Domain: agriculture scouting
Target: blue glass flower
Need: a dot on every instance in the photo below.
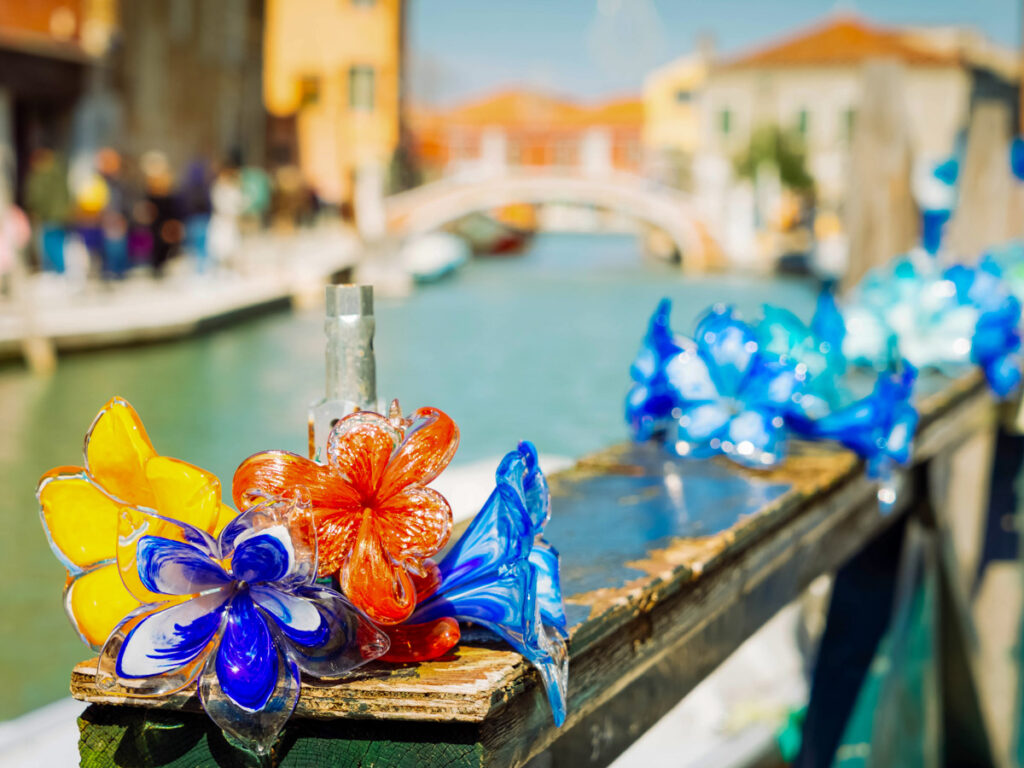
(733, 395)
(818, 346)
(503, 575)
(995, 344)
(652, 398)
(911, 307)
(241, 613)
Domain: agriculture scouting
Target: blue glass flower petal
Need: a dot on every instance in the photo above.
(167, 639)
(729, 346)
(136, 523)
(247, 661)
(689, 376)
(544, 559)
(176, 568)
(1017, 158)
(773, 385)
(700, 423)
(289, 533)
(755, 438)
(254, 729)
(651, 398)
(265, 555)
(535, 486)
(322, 632)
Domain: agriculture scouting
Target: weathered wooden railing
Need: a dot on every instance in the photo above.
(667, 567)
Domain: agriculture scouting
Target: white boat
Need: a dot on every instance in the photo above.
(430, 257)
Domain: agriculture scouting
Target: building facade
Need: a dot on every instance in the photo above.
(334, 69)
(522, 129)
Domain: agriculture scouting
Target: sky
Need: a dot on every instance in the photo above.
(594, 49)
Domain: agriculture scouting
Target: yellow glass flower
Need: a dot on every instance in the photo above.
(81, 507)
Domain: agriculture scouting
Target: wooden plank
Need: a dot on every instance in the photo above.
(667, 567)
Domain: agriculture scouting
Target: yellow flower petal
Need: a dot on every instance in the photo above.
(96, 601)
(184, 492)
(116, 452)
(80, 520)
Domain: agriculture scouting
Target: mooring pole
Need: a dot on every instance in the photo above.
(351, 367)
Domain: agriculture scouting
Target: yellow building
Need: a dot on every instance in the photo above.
(671, 94)
(335, 66)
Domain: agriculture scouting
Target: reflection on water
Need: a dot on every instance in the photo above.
(534, 347)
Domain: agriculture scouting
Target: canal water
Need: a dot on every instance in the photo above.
(536, 346)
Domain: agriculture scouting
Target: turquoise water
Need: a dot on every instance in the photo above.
(533, 347)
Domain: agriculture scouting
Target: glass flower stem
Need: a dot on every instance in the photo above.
(351, 367)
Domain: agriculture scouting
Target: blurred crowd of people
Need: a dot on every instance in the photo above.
(118, 215)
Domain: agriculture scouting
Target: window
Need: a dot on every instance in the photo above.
(684, 96)
(309, 90)
(361, 88)
(803, 122)
(725, 122)
(565, 152)
(849, 121)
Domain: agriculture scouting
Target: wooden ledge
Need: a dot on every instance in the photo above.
(667, 566)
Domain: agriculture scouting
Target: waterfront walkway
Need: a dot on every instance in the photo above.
(271, 270)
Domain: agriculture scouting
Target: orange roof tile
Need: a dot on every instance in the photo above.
(843, 40)
(517, 108)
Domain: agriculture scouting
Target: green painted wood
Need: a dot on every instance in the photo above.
(133, 737)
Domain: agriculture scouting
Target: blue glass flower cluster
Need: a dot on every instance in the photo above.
(742, 390)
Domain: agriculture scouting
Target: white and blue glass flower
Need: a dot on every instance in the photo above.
(242, 614)
(935, 193)
(729, 395)
(946, 321)
(503, 575)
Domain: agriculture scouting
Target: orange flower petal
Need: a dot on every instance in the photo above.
(375, 584)
(80, 520)
(428, 582)
(278, 474)
(116, 451)
(428, 448)
(415, 522)
(422, 642)
(335, 537)
(360, 447)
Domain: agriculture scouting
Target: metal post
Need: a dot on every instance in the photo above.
(351, 367)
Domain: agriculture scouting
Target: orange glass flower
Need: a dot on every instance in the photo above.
(81, 507)
(376, 522)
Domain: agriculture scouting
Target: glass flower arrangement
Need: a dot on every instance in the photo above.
(742, 390)
(325, 567)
